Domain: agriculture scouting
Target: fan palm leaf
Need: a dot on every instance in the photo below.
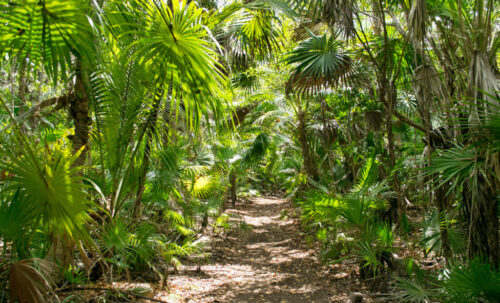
(54, 192)
(176, 38)
(256, 33)
(46, 32)
(28, 282)
(476, 282)
(319, 64)
(174, 44)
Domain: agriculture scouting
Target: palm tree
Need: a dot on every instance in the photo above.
(55, 36)
(318, 65)
(475, 90)
(173, 43)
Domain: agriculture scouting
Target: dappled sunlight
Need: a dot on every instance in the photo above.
(265, 263)
(148, 145)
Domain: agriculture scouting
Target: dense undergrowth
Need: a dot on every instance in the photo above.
(128, 126)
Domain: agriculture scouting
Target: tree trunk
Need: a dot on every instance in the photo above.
(440, 198)
(142, 179)
(377, 25)
(79, 111)
(308, 160)
(22, 93)
(388, 95)
(232, 181)
(483, 222)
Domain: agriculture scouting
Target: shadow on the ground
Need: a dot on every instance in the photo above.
(267, 262)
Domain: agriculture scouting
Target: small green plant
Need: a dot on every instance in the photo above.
(413, 290)
(418, 286)
(475, 282)
(431, 239)
(385, 236)
(222, 222)
(74, 275)
(370, 263)
(284, 215)
(244, 226)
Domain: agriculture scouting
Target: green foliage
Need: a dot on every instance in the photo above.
(42, 196)
(431, 239)
(257, 151)
(190, 100)
(475, 282)
(74, 275)
(245, 81)
(413, 290)
(47, 33)
(255, 32)
(321, 206)
(385, 235)
(222, 221)
(143, 247)
(456, 166)
(319, 64)
(369, 257)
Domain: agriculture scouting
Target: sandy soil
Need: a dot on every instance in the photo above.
(264, 258)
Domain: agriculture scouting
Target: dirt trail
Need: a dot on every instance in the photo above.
(263, 259)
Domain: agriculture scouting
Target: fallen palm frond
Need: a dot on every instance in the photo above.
(29, 281)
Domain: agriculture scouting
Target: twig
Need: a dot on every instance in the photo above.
(60, 103)
(126, 292)
(408, 121)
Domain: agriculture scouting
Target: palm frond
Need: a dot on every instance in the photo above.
(47, 33)
(338, 13)
(245, 81)
(417, 19)
(52, 187)
(27, 281)
(175, 42)
(257, 151)
(455, 165)
(412, 290)
(475, 282)
(368, 175)
(253, 34)
(319, 65)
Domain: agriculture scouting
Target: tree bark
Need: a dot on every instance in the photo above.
(308, 160)
(79, 111)
(232, 181)
(142, 179)
(388, 97)
(22, 93)
(483, 222)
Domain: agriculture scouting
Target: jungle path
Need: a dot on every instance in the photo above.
(263, 258)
